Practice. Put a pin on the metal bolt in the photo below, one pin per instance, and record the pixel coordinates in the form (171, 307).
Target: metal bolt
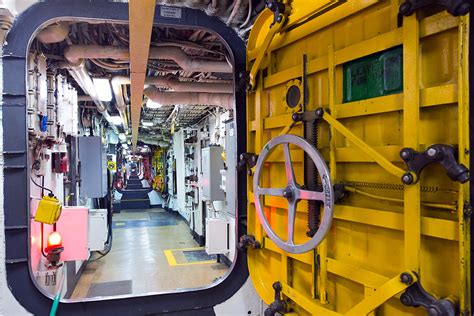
(431, 152)
(276, 286)
(405, 154)
(433, 311)
(297, 117)
(406, 299)
(406, 278)
(405, 9)
(288, 193)
(319, 113)
(407, 178)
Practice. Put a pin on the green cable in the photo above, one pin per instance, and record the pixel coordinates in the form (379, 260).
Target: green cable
(54, 307)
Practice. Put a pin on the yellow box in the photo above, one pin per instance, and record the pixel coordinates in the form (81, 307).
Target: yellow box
(49, 210)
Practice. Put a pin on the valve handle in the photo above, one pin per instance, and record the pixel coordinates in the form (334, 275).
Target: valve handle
(294, 193)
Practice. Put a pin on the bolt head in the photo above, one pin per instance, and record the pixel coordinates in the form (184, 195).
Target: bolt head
(405, 9)
(433, 311)
(288, 193)
(406, 278)
(406, 299)
(407, 178)
(432, 152)
(297, 117)
(319, 113)
(405, 154)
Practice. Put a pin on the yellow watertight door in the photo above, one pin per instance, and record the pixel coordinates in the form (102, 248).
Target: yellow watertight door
(358, 157)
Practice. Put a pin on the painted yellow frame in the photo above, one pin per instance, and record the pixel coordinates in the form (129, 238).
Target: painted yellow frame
(423, 225)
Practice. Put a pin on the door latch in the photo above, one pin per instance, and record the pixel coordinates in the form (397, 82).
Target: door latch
(278, 305)
(442, 154)
(454, 7)
(246, 241)
(247, 161)
(416, 296)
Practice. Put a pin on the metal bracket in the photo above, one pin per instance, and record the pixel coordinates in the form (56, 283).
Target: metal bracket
(277, 8)
(443, 154)
(278, 305)
(454, 7)
(416, 296)
(246, 241)
(279, 19)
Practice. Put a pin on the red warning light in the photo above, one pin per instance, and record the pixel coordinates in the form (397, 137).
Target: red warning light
(54, 241)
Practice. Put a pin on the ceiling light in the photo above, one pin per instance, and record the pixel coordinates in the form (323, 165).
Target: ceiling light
(102, 88)
(147, 123)
(116, 120)
(153, 105)
(122, 137)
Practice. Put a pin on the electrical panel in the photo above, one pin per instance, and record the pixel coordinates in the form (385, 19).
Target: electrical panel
(216, 236)
(211, 159)
(97, 229)
(231, 167)
(93, 167)
(37, 95)
(67, 106)
(52, 102)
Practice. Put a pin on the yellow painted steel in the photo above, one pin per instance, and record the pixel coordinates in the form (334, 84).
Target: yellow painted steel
(141, 13)
(367, 149)
(382, 228)
(411, 118)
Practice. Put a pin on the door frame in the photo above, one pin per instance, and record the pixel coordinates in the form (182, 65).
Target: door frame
(16, 180)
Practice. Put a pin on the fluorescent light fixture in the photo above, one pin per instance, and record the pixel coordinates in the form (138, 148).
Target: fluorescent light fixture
(153, 105)
(147, 123)
(116, 120)
(122, 137)
(102, 88)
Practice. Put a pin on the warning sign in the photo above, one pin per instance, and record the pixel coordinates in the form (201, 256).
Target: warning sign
(111, 165)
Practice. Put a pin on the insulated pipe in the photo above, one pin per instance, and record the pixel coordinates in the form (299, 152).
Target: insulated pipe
(80, 74)
(182, 86)
(190, 98)
(172, 84)
(75, 53)
(54, 33)
(117, 83)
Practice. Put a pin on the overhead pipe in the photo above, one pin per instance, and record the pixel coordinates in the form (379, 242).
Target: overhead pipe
(183, 86)
(80, 74)
(224, 100)
(117, 83)
(171, 83)
(75, 53)
(54, 33)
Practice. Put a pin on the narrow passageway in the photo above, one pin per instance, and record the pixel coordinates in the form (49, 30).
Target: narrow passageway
(152, 251)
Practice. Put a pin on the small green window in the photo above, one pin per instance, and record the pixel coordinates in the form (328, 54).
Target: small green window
(374, 75)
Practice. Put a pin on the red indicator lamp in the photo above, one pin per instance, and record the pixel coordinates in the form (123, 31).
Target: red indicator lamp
(54, 249)
(54, 240)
